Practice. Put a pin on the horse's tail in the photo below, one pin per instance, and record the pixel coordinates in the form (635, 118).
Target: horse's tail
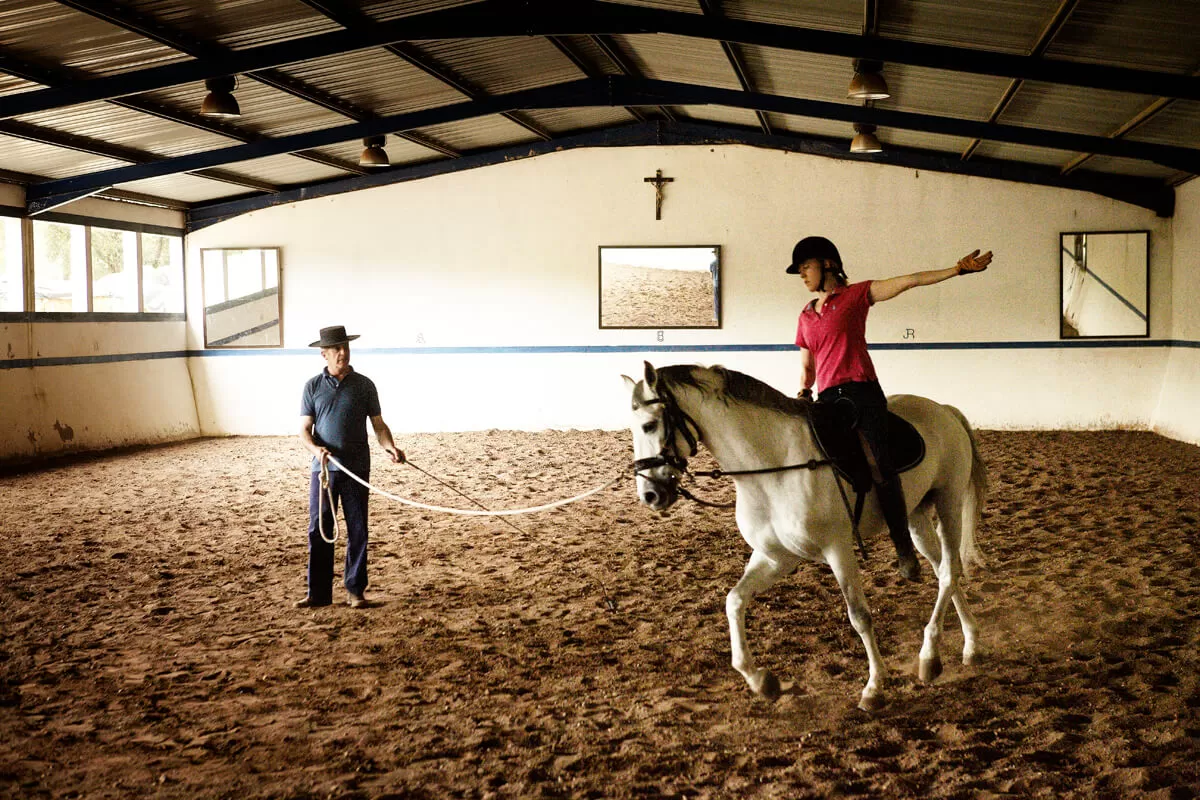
(968, 548)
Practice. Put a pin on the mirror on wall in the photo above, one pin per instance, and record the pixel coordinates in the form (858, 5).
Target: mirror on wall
(242, 306)
(660, 286)
(1105, 284)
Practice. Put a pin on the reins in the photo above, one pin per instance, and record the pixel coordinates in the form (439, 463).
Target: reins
(676, 418)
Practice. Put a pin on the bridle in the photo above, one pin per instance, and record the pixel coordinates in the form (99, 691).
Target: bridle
(676, 419)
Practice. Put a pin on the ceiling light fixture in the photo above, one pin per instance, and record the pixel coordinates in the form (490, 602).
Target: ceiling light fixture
(220, 102)
(865, 140)
(868, 82)
(374, 155)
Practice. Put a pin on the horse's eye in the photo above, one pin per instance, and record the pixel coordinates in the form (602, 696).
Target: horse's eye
(650, 426)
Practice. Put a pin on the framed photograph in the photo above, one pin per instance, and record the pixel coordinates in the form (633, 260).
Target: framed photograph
(660, 286)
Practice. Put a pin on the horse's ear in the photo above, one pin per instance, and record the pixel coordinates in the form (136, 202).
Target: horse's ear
(651, 376)
(630, 383)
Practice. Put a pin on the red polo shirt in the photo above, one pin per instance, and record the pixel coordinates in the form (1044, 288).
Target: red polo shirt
(837, 336)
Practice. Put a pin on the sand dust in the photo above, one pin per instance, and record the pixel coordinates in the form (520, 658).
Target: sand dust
(149, 647)
(641, 297)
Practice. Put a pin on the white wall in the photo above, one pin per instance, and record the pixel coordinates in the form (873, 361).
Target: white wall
(1178, 411)
(96, 401)
(506, 257)
(74, 386)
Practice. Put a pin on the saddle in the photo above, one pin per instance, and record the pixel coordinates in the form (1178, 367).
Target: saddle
(835, 427)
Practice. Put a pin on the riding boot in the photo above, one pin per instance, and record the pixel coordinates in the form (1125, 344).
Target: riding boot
(895, 513)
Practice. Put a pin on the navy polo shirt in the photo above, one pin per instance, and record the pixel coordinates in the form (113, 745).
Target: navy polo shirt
(340, 412)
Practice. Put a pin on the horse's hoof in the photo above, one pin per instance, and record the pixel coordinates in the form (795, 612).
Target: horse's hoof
(770, 689)
(930, 669)
(872, 703)
(972, 659)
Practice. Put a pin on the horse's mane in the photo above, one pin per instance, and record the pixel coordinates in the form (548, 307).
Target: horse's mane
(729, 384)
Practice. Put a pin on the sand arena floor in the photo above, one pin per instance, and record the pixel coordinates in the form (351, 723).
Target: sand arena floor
(149, 647)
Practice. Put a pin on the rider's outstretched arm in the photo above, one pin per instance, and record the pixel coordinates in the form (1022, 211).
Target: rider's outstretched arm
(890, 287)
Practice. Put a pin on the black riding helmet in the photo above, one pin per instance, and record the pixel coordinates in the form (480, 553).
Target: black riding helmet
(817, 247)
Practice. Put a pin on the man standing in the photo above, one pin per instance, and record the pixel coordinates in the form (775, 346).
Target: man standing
(334, 411)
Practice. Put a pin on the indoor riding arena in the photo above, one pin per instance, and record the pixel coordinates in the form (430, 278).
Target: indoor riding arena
(507, 207)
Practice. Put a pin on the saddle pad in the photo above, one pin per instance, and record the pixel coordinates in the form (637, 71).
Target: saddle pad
(836, 436)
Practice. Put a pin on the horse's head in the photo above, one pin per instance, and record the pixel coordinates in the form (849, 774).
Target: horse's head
(662, 440)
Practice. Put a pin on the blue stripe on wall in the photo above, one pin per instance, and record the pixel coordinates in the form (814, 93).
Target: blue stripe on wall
(1068, 344)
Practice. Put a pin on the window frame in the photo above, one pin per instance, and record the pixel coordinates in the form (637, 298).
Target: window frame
(27, 250)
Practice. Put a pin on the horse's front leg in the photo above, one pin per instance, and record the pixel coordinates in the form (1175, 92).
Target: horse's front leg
(845, 568)
(760, 574)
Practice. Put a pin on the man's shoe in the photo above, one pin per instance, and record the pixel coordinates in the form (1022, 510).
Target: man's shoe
(909, 567)
(308, 603)
(356, 600)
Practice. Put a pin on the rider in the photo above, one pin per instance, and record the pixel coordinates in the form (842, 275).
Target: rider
(832, 336)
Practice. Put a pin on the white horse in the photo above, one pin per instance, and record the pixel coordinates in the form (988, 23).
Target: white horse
(787, 516)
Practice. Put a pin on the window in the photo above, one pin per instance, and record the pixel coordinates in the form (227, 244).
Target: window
(125, 269)
(12, 273)
(60, 280)
(162, 274)
(114, 270)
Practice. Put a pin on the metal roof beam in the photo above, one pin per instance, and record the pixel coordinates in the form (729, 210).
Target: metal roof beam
(62, 76)
(132, 20)
(491, 18)
(86, 144)
(1143, 192)
(587, 68)
(621, 91)
(1130, 125)
(733, 54)
(612, 51)
(356, 21)
(1065, 8)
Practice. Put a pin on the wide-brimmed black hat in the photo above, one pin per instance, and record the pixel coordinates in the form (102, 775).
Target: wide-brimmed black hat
(812, 247)
(333, 336)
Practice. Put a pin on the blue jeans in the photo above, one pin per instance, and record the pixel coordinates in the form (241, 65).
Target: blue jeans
(352, 497)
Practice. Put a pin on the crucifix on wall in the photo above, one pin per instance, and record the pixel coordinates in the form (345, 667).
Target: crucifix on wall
(659, 182)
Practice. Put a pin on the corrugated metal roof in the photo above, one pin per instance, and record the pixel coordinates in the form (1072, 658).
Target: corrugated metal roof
(844, 16)
(128, 128)
(1007, 26)
(722, 114)
(505, 64)
(1147, 34)
(238, 24)
(1024, 154)
(1067, 108)
(923, 91)
(335, 91)
(185, 187)
(1177, 124)
(376, 79)
(813, 76)
(563, 121)
(481, 133)
(1125, 166)
(31, 28)
(383, 10)
(286, 170)
(48, 161)
(265, 110)
(679, 58)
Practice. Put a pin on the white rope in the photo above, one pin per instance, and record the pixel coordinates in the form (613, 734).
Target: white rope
(472, 512)
(320, 510)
